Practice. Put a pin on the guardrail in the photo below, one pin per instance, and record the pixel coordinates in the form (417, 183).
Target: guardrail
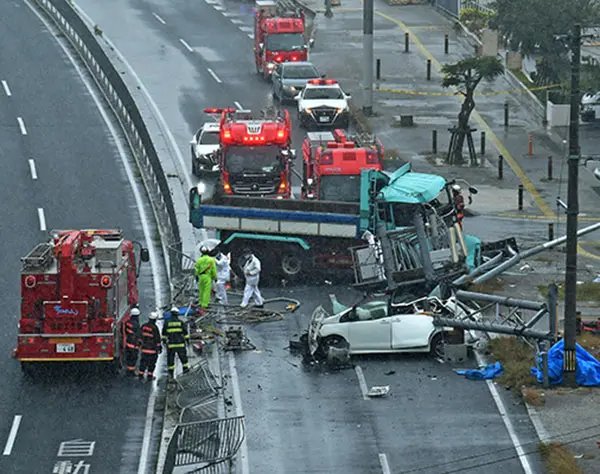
(125, 109)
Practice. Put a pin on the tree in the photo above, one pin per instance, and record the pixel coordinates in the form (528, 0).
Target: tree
(466, 75)
(530, 27)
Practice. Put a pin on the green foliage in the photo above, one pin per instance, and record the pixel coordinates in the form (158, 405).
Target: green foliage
(475, 20)
(466, 74)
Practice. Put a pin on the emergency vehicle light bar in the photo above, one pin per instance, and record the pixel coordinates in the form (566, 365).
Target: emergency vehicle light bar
(322, 82)
(219, 111)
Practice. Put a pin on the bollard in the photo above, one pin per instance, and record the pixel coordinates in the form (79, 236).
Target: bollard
(434, 141)
(520, 197)
(482, 143)
(446, 43)
(506, 114)
(429, 69)
(406, 37)
(378, 69)
(500, 167)
(550, 168)
(530, 145)
(550, 231)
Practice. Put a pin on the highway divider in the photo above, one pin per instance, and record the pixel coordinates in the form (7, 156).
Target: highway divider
(126, 111)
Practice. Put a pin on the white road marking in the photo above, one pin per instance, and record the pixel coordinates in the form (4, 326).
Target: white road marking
(238, 105)
(212, 73)
(157, 16)
(219, 8)
(6, 89)
(251, 36)
(509, 426)
(22, 126)
(235, 21)
(157, 113)
(42, 219)
(247, 29)
(187, 46)
(237, 399)
(362, 382)
(10, 442)
(32, 169)
(212, 2)
(383, 461)
(228, 14)
(154, 260)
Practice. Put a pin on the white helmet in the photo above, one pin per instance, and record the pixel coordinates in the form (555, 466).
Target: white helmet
(175, 309)
(204, 250)
(153, 315)
(456, 188)
(135, 312)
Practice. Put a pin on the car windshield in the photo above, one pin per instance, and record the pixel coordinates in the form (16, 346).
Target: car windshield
(293, 71)
(209, 138)
(253, 159)
(341, 188)
(285, 42)
(326, 93)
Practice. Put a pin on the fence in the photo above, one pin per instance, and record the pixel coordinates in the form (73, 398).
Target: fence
(125, 109)
(452, 7)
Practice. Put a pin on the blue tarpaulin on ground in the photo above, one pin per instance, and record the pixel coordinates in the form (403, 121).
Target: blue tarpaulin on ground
(588, 368)
(490, 372)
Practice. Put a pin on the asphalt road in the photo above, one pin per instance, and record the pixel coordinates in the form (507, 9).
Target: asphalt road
(296, 420)
(59, 168)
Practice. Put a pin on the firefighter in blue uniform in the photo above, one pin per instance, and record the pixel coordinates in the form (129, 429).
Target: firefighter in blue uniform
(151, 346)
(175, 336)
(132, 341)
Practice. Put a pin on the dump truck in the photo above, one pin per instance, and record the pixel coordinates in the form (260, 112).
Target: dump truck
(77, 292)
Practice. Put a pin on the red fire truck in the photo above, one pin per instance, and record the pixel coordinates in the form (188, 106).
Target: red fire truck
(77, 291)
(333, 163)
(279, 36)
(255, 155)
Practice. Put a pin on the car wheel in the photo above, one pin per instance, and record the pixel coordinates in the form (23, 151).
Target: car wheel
(337, 342)
(292, 263)
(436, 348)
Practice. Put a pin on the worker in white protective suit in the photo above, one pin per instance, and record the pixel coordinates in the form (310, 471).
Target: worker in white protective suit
(223, 276)
(252, 275)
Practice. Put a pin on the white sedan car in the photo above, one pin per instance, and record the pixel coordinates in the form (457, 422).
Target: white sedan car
(204, 147)
(370, 328)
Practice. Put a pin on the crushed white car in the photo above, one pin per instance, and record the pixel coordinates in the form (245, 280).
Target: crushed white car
(379, 326)
(204, 148)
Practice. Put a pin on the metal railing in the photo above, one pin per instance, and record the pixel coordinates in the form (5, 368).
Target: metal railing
(125, 109)
(479, 5)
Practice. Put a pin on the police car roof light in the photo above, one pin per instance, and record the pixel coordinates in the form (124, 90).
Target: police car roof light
(322, 82)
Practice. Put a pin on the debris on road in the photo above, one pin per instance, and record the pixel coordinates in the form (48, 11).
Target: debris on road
(236, 340)
(391, 372)
(489, 372)
(378, 391)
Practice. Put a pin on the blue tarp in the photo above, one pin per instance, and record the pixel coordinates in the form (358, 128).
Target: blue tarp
(490, 372)
(588, 368)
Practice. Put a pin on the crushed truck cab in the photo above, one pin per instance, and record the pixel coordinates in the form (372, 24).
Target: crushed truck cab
(77, 291)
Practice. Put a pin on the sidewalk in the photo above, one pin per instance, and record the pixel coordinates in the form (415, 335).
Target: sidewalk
(338, 53)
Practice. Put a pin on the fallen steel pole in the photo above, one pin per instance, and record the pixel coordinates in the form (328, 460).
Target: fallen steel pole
(529, 253)
(491, 327)
(479, 270)
(502, 300)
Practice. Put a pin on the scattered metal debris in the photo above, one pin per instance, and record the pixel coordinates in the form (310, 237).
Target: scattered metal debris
(379, 391)
(236, 340)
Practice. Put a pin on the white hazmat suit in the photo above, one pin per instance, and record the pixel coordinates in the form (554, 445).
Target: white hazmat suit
(223, 276)
(252, 274)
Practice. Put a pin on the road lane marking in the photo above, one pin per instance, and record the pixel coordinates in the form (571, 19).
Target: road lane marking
(215, 77)
(12, 435)
(238, 105)
(22, 126)
(33, 170)
(6, 88)
(212, 2)
(362, 382)
(157, 278)
(237, 399)
(247, 29)
(251, 36)
(157, 16)
(236, 21)
(187, 46)
(219, 8)
(42, 219)
(228, 14)
(383, 461)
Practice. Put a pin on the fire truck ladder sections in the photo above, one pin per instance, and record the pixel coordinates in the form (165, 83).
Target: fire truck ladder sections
(205, 444)
(197, 385)
(40, 257)
(363, 140)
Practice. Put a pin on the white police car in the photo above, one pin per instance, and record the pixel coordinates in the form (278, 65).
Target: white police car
(323, 103)
(204, 147)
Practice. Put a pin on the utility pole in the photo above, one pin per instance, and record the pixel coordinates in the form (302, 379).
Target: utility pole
(368, 57)
(570, 329)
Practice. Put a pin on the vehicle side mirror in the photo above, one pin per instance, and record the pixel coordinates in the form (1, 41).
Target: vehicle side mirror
(144, 255)
(323, 76)
(293, 154)
(473, 190)
(297, 97)
(192, 142)
(348, 96)
(311, 42)
(260, 47)
(597, 173)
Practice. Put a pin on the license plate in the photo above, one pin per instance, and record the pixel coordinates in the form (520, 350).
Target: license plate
(323, 119)
(65, 348)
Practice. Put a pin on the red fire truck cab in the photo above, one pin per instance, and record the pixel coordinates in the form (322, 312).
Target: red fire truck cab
(255, 155)
(77, 292)
(333, 163)
(279, 36)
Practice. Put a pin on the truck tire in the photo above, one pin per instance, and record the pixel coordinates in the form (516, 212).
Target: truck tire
(292, 263)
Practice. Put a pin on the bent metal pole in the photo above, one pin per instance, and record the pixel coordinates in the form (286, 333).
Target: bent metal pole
(368, 57)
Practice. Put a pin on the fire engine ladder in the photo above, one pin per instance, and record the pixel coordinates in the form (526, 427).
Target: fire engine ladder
(39, 257)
